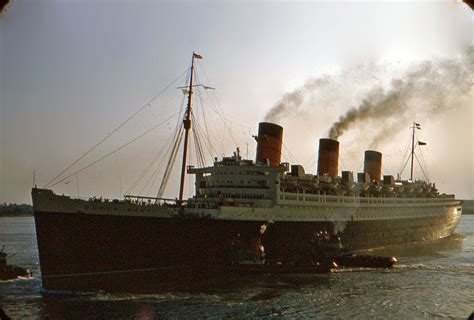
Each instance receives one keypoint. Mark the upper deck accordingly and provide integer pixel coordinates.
(237, 182)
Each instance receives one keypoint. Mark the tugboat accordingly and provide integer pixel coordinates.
(323, 254)
(8, 271)
(331, 248)
(249, 258)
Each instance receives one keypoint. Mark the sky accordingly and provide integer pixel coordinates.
(72, 71)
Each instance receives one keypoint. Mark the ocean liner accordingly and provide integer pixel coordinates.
(242, 210)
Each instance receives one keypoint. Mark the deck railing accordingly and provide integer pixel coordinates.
(323, 198)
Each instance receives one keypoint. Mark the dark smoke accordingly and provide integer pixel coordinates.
(433, 87)
(292, 101)
(427, 89)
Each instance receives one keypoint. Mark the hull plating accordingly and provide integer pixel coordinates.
(77, 249)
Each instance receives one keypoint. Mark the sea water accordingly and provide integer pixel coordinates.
(432, 280)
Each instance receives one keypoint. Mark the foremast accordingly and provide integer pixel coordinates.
(187, 126)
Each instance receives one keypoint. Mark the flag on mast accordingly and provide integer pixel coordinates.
(421, 143)
(417, 125)
(197, 56)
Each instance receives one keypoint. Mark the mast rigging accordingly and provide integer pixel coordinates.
(187, 126)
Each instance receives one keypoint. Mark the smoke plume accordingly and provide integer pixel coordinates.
(425, 90)
(293, 101)
(432, 87)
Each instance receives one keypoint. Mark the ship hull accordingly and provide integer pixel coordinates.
(82, 251)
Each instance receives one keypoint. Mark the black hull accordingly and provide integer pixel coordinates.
(85, 251)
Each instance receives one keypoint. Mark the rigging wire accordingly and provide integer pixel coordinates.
(205, 145)
(202, 138)
(173, 137)
(425, 165)
(406, 156)
(404, 164)
(172, 143)
(170, 164)
(151, 178)
(310, 160)
(159, 153)
(155, 172)
(426, 173)
(112, 152)
(174, 147)
(118, 173)
(216, 103)
(49, 184)
(211, 149)
(212, 104)
(215, 106)
(289, 156)
(142, 175)
(422, 170)
(188, 186)
(197, 143)
(77, 184)
(197, 151)
(207, 134)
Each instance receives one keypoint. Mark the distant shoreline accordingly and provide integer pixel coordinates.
(16, 210)
(16, 215)
(467, 206)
